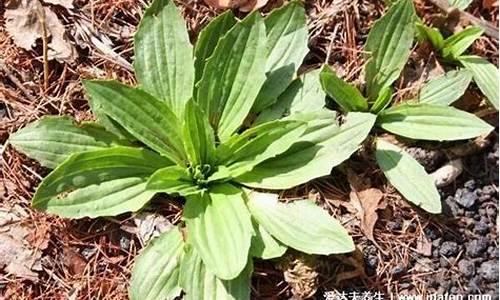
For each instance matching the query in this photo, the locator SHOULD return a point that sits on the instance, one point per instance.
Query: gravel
(449, 249)
(467, 268)
(476, 248)
(489, 271)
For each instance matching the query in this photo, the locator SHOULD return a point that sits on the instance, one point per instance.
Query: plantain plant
(427, 118)
(181, 132)
(452, 51)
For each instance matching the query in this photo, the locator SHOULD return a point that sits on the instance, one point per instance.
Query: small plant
(452, 50)
(180, 132)
(428, 118)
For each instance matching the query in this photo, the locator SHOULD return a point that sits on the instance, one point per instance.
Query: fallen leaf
(424, 246)
(17, 256)
(148, 226)
(74, 261)
(22, 22)
(489, 4)
(242, 5)
(366, 202)
(65, 3)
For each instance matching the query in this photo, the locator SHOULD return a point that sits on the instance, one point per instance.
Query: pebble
(398, 270)
(477, 247)
(467, 268)
(489, 271)
(466, 198)
(481, 227)
(448, 249)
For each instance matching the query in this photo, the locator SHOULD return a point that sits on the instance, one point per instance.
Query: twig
(41, 15)
(16, 81)
(489, 29)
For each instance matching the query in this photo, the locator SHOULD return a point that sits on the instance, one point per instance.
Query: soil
(411, 252)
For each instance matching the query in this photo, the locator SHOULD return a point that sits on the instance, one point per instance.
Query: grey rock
(466, 198)
(467, 268)
(448, 249)
(476, 248)
(489, 271)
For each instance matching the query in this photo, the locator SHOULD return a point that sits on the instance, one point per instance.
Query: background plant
(452, 51)
(427, 118)
(180, 132)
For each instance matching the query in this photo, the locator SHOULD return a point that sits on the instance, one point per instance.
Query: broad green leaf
(199, 139)
(163, 55)
(455, 45)
(460, 4)
(109, 124)
(264, 245)
(408, 176)
(97, 183)
(389, 43)
(432, 35)
(314, 155)
(485, 76)
(172, 180)
(51, 140)
(199, 283)
(220, 229)
(242, 152)
(287, 46)
(304, 94)
(156, 270)
(347, 96)
(445, 89)
(301, 225)
(233, 75)
(432, 122)
(384, 98)
(148, 119)
(208, 38)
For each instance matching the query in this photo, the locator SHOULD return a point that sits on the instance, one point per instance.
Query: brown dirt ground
(92, 258)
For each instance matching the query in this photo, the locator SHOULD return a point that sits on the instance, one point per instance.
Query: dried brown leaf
(366, 202)
(65, 3)
(23, 23)
(424, 246)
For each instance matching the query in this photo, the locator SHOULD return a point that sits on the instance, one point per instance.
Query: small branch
(41, 15)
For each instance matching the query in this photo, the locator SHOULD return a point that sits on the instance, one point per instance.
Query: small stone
(488, 190)
(489, 271)
(491, 212)
(475, 284)
(465, 198)
(476, 248)
(394, 225)
(451, 208)
(481, 228)
(467, 268)
(493, 252)
(448, 249)
(470, 185)
(431, 233)
(398, 270)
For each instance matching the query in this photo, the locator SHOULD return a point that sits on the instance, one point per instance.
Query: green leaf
(220, 229)
(432, 122)
(348, 97)
(432, 35)
(384, 98)
(408, 176)
(97, 183)
(460, 4)
(485, 75)
(172, 180)
(301, 225)
(389, 42)
(304, 94)
(209, 37)
(264, 245)
(287, 38)
(224, 91)
(242, 152)
(163, 55)
(109, 124)
(445, 89)
(148, 119)
(51, 140)
(199, 283)
(156, 270)
(199, 139)
(455, 45)
(314, 155)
